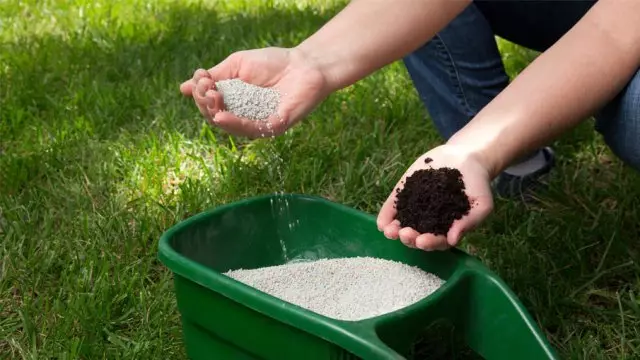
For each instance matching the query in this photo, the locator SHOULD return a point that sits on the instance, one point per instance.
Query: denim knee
(443, 98)
(458, 72)
(619, 123)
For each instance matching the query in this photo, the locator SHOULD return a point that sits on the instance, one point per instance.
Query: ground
(99, 154)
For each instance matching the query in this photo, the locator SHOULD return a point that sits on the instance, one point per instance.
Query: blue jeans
(460, 70)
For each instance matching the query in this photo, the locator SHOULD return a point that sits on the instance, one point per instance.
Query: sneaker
(511, 186)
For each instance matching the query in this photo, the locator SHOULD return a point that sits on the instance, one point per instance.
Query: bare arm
(369, 34)
(565, 85)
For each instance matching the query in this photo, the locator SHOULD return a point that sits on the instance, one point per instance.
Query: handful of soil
(431, 200)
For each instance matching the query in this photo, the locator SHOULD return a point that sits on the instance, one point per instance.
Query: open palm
(477, 188)
(301, 85)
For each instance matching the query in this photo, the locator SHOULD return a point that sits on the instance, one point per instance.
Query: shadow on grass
(117, 80)
(104, 82)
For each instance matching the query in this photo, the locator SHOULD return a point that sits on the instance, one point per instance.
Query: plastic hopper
(226, 319)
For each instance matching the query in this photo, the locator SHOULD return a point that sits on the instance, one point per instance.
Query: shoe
(513, 187)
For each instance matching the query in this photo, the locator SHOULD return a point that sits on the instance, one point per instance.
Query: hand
(301, 84)
(477, 187)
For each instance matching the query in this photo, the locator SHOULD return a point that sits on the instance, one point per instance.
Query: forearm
(564, 86)
(369, 34)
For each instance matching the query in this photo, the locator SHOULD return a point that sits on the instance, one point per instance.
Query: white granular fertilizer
(248, 100)
(344, 288)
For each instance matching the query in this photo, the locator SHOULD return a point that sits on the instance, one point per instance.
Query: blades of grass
(622, 325)
(599, 275)
(28, 330)
(606, 251)
(634, 303)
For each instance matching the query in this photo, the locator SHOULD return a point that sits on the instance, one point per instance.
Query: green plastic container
(225, 319)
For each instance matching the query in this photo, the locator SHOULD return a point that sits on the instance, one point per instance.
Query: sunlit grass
(99, 154)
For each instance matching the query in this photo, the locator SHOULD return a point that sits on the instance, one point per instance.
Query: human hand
(302, 87)
(476, 181)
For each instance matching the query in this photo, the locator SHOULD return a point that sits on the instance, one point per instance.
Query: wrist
(481, 152)
(324, 63)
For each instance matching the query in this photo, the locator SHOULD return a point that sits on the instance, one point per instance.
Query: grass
(99, 154)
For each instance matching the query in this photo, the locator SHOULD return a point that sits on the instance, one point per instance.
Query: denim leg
(619, 123)
(458, 72)
(536, 24)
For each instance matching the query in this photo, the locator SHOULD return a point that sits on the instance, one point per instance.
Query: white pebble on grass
(247, 100)
(348, 289)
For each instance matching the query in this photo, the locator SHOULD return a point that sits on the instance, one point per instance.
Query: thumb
(480, 209)
(227, 68)
(187, 87)
(456, 232)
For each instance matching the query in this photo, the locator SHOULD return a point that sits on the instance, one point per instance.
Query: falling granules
(247, 100)
(344, 288)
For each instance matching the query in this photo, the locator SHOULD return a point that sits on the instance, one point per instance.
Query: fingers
(387, 212)
(210, 103)
(227, 68)
(411, 238)
(392, 230)
(386, 221)
(481, 208)
(430, 242)
(187, 87)
(408, 236)
(199, 96)
(233, 125)
(427, 242)
(199, 74)
(213, 102)
(249, 128)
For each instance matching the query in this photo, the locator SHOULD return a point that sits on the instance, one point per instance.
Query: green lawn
(99, 154)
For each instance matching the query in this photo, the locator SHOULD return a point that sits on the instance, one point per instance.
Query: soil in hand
(431, 200)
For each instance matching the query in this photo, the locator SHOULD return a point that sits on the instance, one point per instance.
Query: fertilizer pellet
(344, 288)
(247, 100)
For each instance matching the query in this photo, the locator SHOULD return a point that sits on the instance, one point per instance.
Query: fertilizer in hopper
(344, 288)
